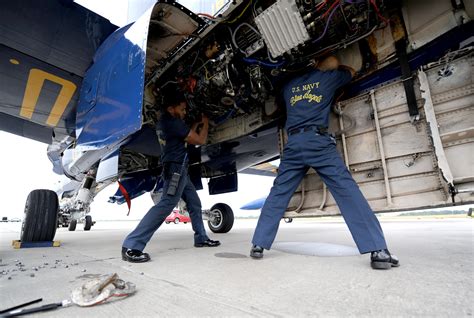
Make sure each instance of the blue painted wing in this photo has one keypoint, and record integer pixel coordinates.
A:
(254, 205)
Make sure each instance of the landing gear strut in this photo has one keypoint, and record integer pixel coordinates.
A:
(76, 208)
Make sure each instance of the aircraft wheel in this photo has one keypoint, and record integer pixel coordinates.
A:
(41, 216)
(222, 218)
(72, 225)
(88, 223)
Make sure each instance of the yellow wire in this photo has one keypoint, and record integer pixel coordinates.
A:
(241, 14)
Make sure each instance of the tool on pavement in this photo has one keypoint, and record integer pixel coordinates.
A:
(101, 289)
(26, 311)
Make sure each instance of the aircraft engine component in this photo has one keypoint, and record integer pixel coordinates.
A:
(233, 72)
(282, 27)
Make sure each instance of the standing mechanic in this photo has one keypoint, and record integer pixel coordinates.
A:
(308, 101)
(174, 136)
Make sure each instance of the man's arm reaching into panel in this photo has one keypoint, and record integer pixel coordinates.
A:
(198, 133)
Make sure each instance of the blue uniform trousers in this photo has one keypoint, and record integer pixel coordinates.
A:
(310, 149)
(140, 236)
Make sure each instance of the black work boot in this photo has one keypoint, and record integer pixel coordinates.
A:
(208, 243)
(382, 259)
(134, 256)
(256, 252)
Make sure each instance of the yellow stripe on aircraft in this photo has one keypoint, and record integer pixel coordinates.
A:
(34, 85)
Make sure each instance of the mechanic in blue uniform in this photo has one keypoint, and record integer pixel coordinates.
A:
(308, 100)
(173, 135)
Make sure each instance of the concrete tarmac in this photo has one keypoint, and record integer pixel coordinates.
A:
(314, 270)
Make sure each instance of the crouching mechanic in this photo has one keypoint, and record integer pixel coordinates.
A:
(308, 100)
(174, 136)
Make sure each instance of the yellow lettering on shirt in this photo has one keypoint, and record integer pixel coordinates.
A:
(309, 87)
(307, 95)
(295, 89)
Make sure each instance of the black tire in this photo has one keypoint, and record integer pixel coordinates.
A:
(72, 225)
(176, 221)
(88, 223)
(167, 222)
(226, 219)
(288, 220)
(41, 216)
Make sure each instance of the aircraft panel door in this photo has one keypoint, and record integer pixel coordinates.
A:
(111, 97)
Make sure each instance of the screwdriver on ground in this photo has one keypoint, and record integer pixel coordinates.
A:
(25, 311)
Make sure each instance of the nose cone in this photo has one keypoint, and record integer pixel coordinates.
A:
(254, 205)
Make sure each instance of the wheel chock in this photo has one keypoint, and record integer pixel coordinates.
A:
(19, 244)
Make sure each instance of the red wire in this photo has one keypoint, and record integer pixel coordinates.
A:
(330, 9)
(378, 12)
(320, 5)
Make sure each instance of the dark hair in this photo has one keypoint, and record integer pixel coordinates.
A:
(172, 96)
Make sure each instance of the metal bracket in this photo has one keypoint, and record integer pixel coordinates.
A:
(408, 82)
(381, 149)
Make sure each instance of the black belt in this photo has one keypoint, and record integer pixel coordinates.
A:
(317, 129)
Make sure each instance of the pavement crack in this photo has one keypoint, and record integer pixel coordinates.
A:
(253, 311)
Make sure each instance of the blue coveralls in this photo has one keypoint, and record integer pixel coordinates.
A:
(171, 133)
(308, 101)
